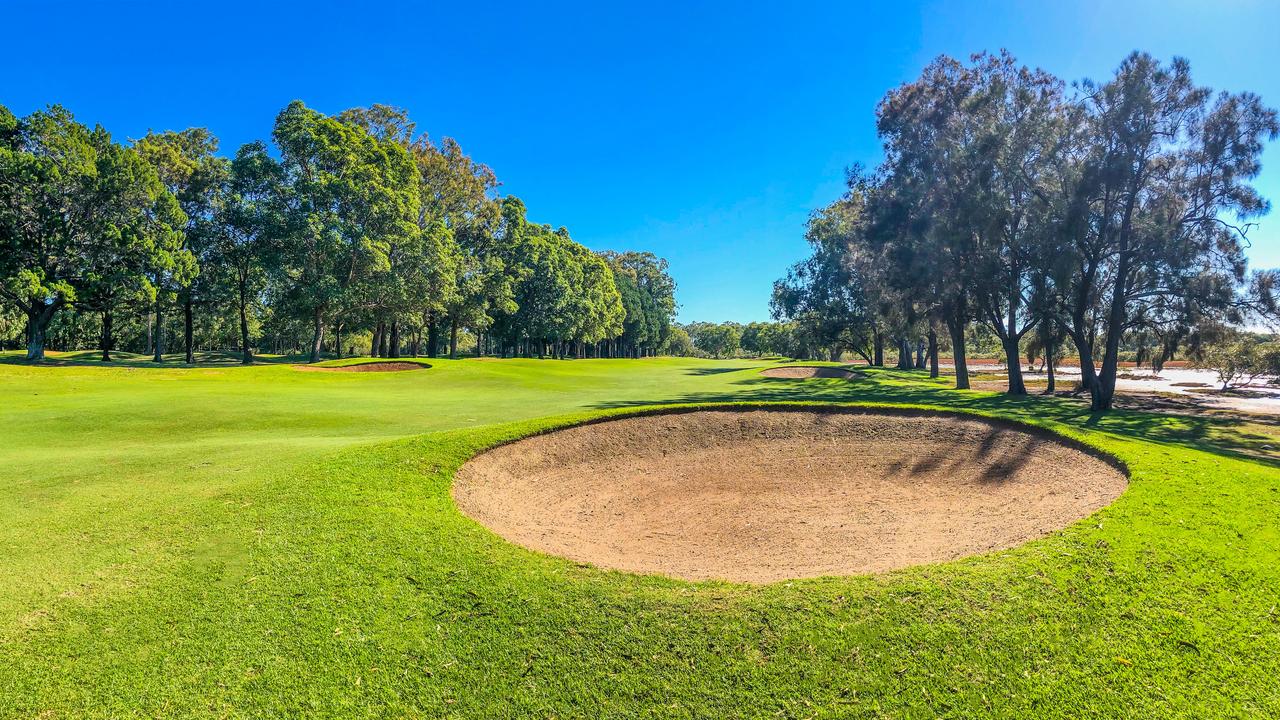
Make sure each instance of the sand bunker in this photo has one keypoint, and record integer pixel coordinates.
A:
(804, 372)
(765, 495)
(369, 367)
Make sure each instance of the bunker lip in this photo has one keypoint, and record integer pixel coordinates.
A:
(761, 494)
(805, 372)
(368, 367)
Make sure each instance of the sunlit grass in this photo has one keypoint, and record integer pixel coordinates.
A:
(258, 542)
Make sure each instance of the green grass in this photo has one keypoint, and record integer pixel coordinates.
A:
(263, 542)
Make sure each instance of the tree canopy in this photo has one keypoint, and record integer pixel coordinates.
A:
(1012, 203)
(350, 224)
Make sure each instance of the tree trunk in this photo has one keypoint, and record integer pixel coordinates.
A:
(1084, 349)
(108, 339)
(904, 354)
(38, 319)
(433, 336)
(188, 331)
(835, 354)
(394, 345)
(933, 352)
(317, 337)
(920, 354)
(955, 328)
(453, 338)
(878, 348)
(246, 355)
(1013, 359)
(158, 352)
(337, 340)
(1048, 364)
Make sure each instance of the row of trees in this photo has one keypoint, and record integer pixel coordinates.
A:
(1055, 215)
(727, 339)
(353, 223)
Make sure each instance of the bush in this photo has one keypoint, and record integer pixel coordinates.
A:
(1239, 359)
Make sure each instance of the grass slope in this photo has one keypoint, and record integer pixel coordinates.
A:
(263, 542)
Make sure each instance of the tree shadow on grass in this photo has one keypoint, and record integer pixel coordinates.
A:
(1227, 436)
(713, 370)
(93, 358)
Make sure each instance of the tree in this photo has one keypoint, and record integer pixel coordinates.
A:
(679, 343)
(192, 173)
(965, 212)
(137, 236)
(81, 218)
(351, 199)
(1238, 358)
(1157, 217)
(648, 300)
(251, 223)
(717, 340)
(827, 292)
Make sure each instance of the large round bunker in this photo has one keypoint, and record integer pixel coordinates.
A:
(767, 494)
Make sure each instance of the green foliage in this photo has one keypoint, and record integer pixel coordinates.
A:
(83, 220)
(648, 299)
(1239, 358)
(716, 340)
(679, 344)
(1008, 200)
(830, 294)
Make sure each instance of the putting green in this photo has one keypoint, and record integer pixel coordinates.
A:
(258, 542)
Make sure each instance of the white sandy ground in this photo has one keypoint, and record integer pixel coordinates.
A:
(1260, 396)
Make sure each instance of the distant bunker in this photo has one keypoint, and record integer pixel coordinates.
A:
(807, 372)
(369, 367)
(764, 495)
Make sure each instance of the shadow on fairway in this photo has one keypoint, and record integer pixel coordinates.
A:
(713, 370)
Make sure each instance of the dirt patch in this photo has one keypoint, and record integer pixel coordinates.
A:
(805, 372)
(765, 495)
(369, 367)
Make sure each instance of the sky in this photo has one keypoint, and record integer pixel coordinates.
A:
(704, 132)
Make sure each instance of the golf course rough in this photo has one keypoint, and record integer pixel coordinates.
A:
(761, 495)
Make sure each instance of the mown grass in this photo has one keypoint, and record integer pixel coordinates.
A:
(263, 542)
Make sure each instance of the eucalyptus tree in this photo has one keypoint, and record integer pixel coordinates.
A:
(834, 293)
(47, 162)
(187, 164)
(597, 312)
(82, 219)
(454, 205)
(251, 223)
(136, 227)
(648, 298)
(715, 339)
(352, 199)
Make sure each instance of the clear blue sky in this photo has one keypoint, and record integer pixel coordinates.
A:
(704, 132)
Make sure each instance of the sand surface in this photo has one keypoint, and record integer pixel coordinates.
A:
(369, 367)
(765, 495)
(804, 372)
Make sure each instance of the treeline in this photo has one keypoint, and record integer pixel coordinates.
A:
(1065, 217)
(351, 227)
(729, 339)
